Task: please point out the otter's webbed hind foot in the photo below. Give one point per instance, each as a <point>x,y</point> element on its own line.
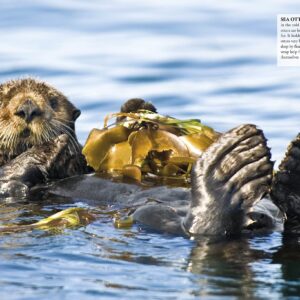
<point>230,177</point>
<point>285,191</point>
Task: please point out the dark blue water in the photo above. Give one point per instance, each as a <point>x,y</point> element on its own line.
<point>211,60</point>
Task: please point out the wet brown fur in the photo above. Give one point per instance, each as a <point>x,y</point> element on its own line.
<point>57,116</point>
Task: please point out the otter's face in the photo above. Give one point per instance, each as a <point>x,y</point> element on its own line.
<point>32,113</point>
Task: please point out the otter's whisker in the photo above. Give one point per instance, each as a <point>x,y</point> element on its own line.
<point>7,136</point>
<point>58,129</point>
<point>66,129</point>
<point>47,134</point>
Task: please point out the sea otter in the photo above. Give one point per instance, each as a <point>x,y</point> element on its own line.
<point>229,180</point>
<point>37,139</point>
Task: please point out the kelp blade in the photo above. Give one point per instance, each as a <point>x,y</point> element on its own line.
<point>196,143</point>
<point>133,172</point>
<point>124,222</point>
<point>141,145</point>
<point>71,217</point>
<point>147,143</point>
<point>100,142</point>
<point>68,218</point>
<point>118,156</point>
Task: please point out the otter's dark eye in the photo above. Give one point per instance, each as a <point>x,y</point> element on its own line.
<point>53,102</point>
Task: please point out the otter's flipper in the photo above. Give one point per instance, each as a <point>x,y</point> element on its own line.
<point>285,191</point>
<point>231,175</point>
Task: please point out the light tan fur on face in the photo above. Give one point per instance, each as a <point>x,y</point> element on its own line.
<point>57,115</point>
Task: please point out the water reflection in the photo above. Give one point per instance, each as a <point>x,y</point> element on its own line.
<point>225,267</point>
<point>247,268</point>
<point>287,257</point>
<point>194,59</point>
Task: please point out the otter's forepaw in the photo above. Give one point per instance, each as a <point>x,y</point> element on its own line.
<point>65,158</point>
<point>36,165</point>
<point>285,191</point>
<point>56,150</point>
<point>57,154</point>
<point>13,189</point>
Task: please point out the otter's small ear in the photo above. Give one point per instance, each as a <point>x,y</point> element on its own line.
<point>76,114</point>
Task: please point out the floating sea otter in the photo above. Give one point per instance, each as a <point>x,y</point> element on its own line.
<point>37,139</point>
<point>228,180</point>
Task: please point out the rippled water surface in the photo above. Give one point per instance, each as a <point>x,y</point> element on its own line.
<point>212,60</point>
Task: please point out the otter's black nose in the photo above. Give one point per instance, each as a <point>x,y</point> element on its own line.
<point>28,111</point>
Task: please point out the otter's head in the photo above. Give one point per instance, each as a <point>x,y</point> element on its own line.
<point>134,105</point>
<point>32,113</point>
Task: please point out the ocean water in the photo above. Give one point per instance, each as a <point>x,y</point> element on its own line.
<point>211,60</point>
